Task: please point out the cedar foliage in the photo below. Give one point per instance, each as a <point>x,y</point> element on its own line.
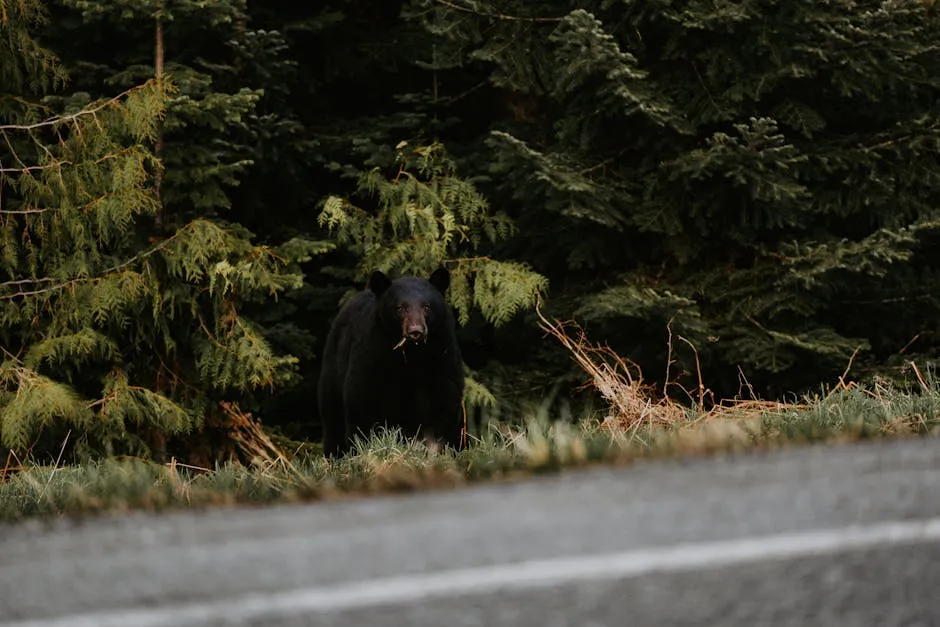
<point>232,143</point>
<point>119,335</point>
<point>426,216</point>
<point>206,138</point>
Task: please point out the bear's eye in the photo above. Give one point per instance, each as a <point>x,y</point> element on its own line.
<point>402,309</point>
<point>426,308</point>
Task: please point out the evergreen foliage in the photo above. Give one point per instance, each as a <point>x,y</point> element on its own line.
<point>205,141</point>
<point>755,177</point>
<point>763,176</point>
<point>426,216</point>
<point>120,334</point>
<point>27,66</point>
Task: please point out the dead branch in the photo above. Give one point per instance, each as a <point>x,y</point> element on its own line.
<point>611,377</point>
<point>698,371</point>
<point>847,368</point>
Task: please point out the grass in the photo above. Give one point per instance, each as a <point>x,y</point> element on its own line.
<point>388,463</point>
<point>635,428</point>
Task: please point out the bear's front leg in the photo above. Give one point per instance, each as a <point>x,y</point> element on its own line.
<point>365,410</point>
<point>447,412</point>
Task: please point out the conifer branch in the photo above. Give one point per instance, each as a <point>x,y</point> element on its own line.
<point>57,164</point>
<point>56,121</point>
<point>497,15</point>
<point>63,284</point>
<point>11,148</point>
<point>22,212</point>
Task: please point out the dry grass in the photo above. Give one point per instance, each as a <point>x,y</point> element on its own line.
<point>631,402</point>
<point>255,444</point>
<point>641,417</point>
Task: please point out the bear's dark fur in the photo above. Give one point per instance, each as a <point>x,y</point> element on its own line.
<point>392,358</point>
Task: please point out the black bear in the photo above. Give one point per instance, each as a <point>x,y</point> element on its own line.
<point>392,358</point>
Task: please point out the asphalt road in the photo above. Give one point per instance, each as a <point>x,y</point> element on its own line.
<point>829,536</point>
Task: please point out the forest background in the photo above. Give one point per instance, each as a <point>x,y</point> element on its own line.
<point>742,191</point>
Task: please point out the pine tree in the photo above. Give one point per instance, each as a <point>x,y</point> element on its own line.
<point>205,142</point>
<point>111,329</point>
<point>759,176</point>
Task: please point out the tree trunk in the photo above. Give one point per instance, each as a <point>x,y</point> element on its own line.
<point>158,147</point>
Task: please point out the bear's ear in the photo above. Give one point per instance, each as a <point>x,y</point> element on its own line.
<point>440,279</point>
<point>378,282</point>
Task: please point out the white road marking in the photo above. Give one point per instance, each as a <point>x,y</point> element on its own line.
<point>509,577</point>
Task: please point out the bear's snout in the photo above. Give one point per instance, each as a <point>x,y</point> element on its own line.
<point>415,332</point>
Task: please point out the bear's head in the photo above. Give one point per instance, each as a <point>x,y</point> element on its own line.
<point>412,307</point>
